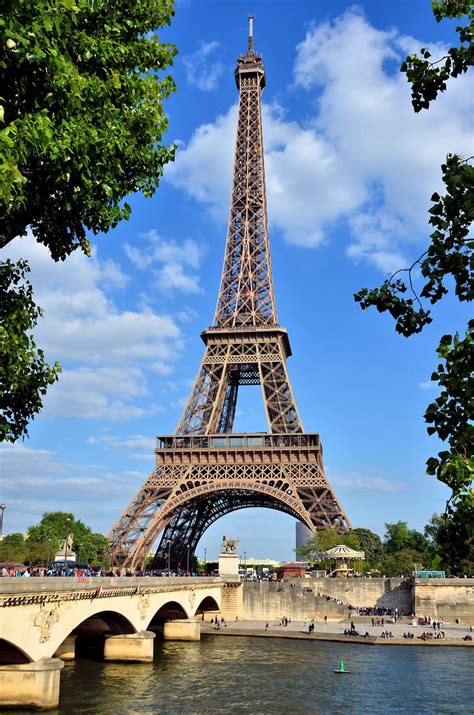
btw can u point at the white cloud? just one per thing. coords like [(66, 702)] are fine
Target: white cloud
[(361, 155), (105, 351), (172, 259), (35, 480), (358, 483), (201, 71), (92, 393), (137, 446), (428, 385)]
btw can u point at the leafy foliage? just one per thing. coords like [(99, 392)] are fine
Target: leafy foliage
[(448, 259), (13, 548), (401, 563), (325, 539), (24, 374), (81, 121), (371, 544), (398, 536), (82, 115), (427, 78), (450, 253), (89, 547)]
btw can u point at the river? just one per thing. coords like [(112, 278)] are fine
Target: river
[(265, 675)]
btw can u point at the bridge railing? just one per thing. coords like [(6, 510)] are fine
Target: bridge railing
[(19, 585)]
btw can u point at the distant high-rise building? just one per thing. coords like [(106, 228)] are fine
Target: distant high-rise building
[(302, 536)]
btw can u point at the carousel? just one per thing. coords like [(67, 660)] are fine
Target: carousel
[(344, 559)]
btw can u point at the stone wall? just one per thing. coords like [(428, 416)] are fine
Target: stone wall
[(231, 600), (270, 600), (370, 592), (450, 598), (262, 600)]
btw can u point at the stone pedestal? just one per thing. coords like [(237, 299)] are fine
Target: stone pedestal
[(228, 565), (182, 629), (133, 647), (67, 649), (31, 686), (60, 557)]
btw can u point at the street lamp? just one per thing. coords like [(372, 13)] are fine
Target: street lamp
[(68, 524), (169, 558), (205, 561), (245, 559), (2, 509), (187, 559)]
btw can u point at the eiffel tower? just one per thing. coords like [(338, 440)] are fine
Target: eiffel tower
[(204, 470)]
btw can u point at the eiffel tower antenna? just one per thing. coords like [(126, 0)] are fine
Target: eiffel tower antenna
[(204, 470), (250, 47)]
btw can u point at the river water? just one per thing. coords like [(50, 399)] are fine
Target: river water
[(265, 675)]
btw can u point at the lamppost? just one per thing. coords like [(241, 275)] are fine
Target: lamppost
[(68, 524), (245, 559), (2, 509), (205, 561), (187, 559), (169, 558)]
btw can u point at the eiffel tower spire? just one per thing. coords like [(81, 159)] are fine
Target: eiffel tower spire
[(246, 292), (204, 471)]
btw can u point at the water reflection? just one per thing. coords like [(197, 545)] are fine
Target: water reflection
[(254, 675)]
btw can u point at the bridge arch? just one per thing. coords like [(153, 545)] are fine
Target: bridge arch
[(90, 620), (207, 604), (169, 611), (105, 621), (11, 654)]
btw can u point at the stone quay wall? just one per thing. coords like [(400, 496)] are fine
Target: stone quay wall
[(270, 600), (450, 598), (367, 592)]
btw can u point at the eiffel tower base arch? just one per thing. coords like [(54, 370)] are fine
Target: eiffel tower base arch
[(199, 479)]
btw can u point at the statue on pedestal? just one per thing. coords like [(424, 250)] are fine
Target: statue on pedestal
[(229, 545)]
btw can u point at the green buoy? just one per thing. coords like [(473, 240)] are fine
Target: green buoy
[(341, 668)]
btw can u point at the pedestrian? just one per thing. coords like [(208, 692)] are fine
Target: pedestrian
[(267, 626)]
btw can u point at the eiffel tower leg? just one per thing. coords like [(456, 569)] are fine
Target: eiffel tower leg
[(280, 405)]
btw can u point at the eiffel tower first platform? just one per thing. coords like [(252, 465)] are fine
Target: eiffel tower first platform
[(204, 470)]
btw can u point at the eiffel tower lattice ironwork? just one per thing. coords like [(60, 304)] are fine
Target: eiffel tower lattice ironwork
[(204, 470)]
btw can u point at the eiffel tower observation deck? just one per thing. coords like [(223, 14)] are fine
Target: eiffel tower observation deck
[(204, 470)]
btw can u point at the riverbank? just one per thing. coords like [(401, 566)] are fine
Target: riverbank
[(335, 632)]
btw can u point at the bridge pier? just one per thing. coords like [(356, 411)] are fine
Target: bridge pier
[(132, 647), (32, 686), (67, 649), (182, 629)]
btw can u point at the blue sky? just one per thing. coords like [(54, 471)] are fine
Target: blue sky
[(350, 170)]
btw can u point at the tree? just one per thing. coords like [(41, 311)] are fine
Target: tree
[(323, 540), (24, 374), (89, 547), (82, 115), (448, 261), (398, 536), (13, 548), (402, 563), (371, 544), (81, 121)]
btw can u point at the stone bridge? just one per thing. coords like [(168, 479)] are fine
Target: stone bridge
[(44, 620)]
